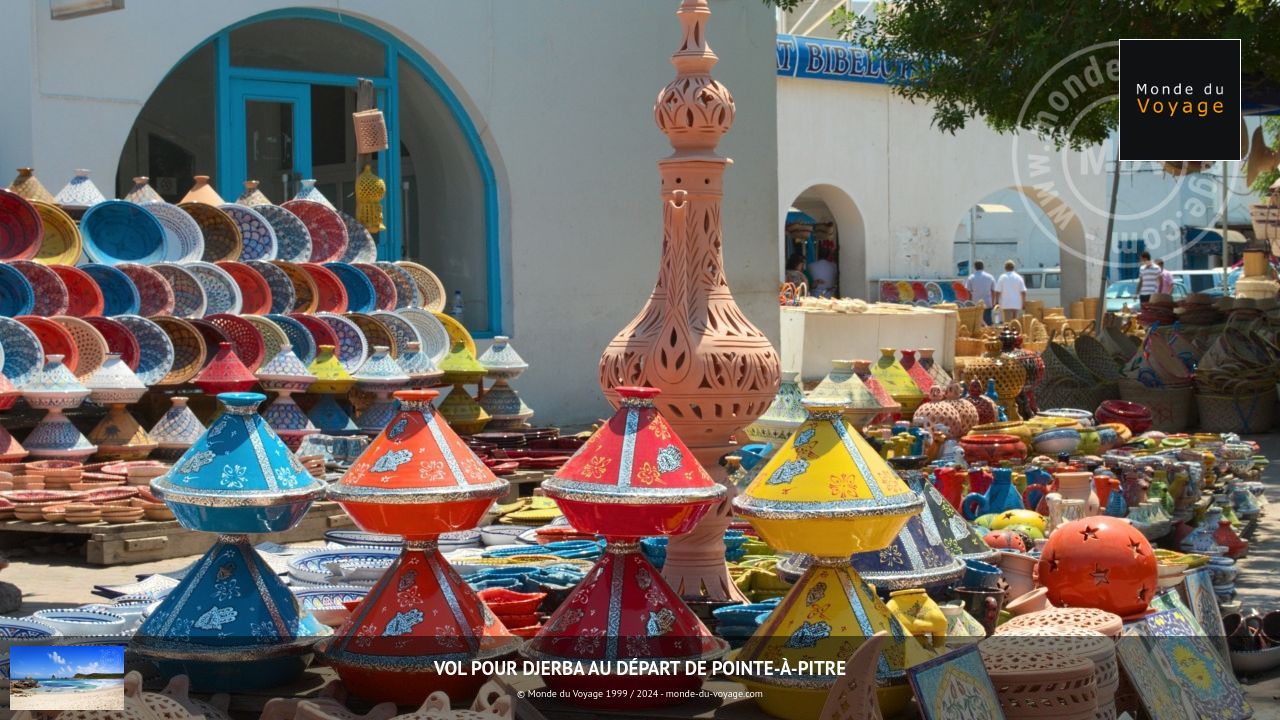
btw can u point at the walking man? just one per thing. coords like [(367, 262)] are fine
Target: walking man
[(980, 286), (1012, 291), (1148, 278)]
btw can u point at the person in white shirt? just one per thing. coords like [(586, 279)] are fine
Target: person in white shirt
[(1011, 290), (1148, 278), (980, 284), (823, 273)]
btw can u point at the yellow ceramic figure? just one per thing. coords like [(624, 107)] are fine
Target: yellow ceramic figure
[(369, 191)]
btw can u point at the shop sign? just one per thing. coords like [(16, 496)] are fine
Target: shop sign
[(806, 57)]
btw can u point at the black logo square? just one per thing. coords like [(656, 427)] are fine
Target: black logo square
[(1180, 99)]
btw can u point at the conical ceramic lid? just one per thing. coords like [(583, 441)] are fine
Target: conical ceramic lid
[(786, 411), (330, 417), (8, 393), (119, 431), (592, 625), (502, 402), (55, 437), (841, 386), (418, 612), (285, 372), (462, 412), (501, 360), (461, 366), (290, 423), (203, 192), (238, 462), (79, 192), (54, 386), (826, 491), (418, 364), (114, 382), (142, 192), (252, 195), (308, 191), (230, 602), (896, 381), (29, 186), (178, 427), (381, 369), (225, 373), (634, 458), (331, 376), (890, 407)]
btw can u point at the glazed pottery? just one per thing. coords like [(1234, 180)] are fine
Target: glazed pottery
[(1029, 602), (1130, 414), (1099, 562), (919, 615), (949, 482), (919, 374), (285, 375), (1019, 573), (501, 361), (985, 407), (79, 193), (993, 449), (982, 605), (783, 415), (506, 409), (1068, 484), (421, 368), (116, 231), (962, 628), (176, 430), (331, 376), (1057, 441), (980, 575), (118, 435), (1227, 537), (202, 192), (380, 375), (225, 373), (29, 186), (901, 387), (841, 386), (1001, 496), (55, 389), (891, 410)]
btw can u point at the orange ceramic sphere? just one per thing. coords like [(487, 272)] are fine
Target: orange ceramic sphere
[(1006, 540), (1099, 562)]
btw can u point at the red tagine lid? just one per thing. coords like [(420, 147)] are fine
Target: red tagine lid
[(634, 458), (225, 373)]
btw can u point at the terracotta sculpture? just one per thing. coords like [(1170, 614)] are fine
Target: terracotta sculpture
[(716, 370)]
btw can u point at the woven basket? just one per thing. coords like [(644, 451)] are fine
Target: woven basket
[(1094, 356), (370, 131), (1070, 393), (1060, 364), (1249, 413), (966, 344), (970, 316), (1172, 409)]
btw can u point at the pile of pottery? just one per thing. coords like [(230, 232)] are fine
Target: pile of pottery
[(1162, 376), (1235, 382)]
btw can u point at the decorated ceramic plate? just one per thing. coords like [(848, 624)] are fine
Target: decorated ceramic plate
[(189, 349), (352, 348), (23, 354), (188, 294), (326, 601), (257, 236), (356, 566), (184, 242), (457, 332), (376, 333), (429, 286), (16, 295), (361, 247), (117, 231), (21, 228), (119, 340), (212, 334), (331, 294), (361, 296), (49, 290), (300, 339), (55, 339), (283, 297), (305, 292), (255, 293), (328, 232), (155, 349), (119, 296), (155, 294), (61, 244), (402, 331), (407, 292), (384, 288), (293, 240), (92, 346), (431, 332), (222, 294), (273, 338), (84, 297), (221, 234), (320, 331), (245, 339)]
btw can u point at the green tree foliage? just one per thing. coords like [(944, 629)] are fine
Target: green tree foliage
[(984, 58)]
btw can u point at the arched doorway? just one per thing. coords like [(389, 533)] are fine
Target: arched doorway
[(270, 98), (824, 224)]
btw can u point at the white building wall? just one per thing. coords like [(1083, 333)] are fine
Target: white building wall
[(562, 92)]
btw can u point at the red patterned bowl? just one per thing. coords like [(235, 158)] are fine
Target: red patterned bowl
[(84, 297), (328, 232), (245, 339), (119, 339), (304, 287), (1132, 415), (54, 338), (993, 449), (155, 294), (384, 288), (331, 294), (21, 228), (213, 337), (50, 291), (255, 293), (319, 329)]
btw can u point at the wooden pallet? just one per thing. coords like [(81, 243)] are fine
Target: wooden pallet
[(147, 540)]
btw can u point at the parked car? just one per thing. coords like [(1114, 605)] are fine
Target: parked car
[(1124, 293)]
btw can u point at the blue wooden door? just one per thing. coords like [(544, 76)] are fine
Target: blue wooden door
[(270, 136)]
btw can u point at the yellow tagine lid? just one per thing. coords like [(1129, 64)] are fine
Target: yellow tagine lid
[(826, 491), (331, 376), (841, 385), (894, 378)]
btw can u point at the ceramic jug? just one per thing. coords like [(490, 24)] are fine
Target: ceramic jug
[(983, 605), (1053, 508), (1019, 572), (999, 497), (950, 483), (919, 614), (1116, 506), (962, 628)]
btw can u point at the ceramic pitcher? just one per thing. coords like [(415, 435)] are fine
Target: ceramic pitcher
[(1001, 496), (920, 614)]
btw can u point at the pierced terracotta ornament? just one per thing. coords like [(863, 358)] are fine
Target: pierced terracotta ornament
[(1099, 562)]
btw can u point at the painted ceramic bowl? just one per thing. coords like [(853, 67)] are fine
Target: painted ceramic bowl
[(16, 295), (331, 294), (23, 355), (361, 247), (283, 295), (21, 227), (155, 294), (119, 340), (62, 244), (120, 231), (78, 622), (384, 287), (1016, 428), (183, 240), (255, 292), (245, 339), (221, 234), (1053, 442), (50, 292), (293, 240), (361, 296), (1084, 417), (221, 292), (1132, 415), (993, 449), (407, 293), (257, 236), (328, 602), (328, 231), (188, 294), (119, 295), (84, 297), (300, 338)]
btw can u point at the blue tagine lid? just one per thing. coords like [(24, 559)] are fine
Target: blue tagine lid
[(381, 370), (238, 477)]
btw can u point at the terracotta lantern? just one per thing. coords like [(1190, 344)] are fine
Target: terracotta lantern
[(716, 370), (1099, 562), (634, 478), (827, 493), (417, 479)]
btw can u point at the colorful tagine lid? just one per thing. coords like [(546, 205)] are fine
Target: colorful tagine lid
[(285, 372), (8, 393), (225, 373), (238, 463), (502, 402), (841, 386), (114, 383), (202, 192), (29, 186), (142, 192), (54, 386), (784, 414), (309, 191), (178, 427), (891, 407), (827, 492), (460, 365), (896, 381), (417, 461), (501, 360), (418, 364), (331, 376), (252, 195), (381, 370), (79, 192)]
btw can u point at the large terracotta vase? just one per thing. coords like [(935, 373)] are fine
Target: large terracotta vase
[(716, 370)]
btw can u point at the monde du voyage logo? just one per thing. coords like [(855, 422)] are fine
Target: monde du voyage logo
[(1180, 99)]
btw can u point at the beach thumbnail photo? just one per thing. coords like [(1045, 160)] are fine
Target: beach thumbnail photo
[(70, 677)]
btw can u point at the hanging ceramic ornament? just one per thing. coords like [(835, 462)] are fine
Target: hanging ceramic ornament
[(332, 381), (462, 412), (56, 389), (507, 410), (380, 375), (285, 375), (118, 435), (842, 387), (417, 479), (175, 431), (369, 192), (634, 478)]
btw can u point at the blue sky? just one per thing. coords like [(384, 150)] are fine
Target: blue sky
[(42, 662)]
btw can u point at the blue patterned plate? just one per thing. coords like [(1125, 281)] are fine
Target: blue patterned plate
[(222, 294), (283, 294), (361, 247), (119, 294), (188, 294), (326, 601), (293, 240), (183, 240), (23, 353), (407, 292), (119, 231), (402, 331), (357, 566), (361, 297), (301, 339), (16, 295), (12, 628), (353, 348), (155, 348), (256, 232)]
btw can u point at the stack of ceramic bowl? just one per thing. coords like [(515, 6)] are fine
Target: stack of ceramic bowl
[(507, 410)]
